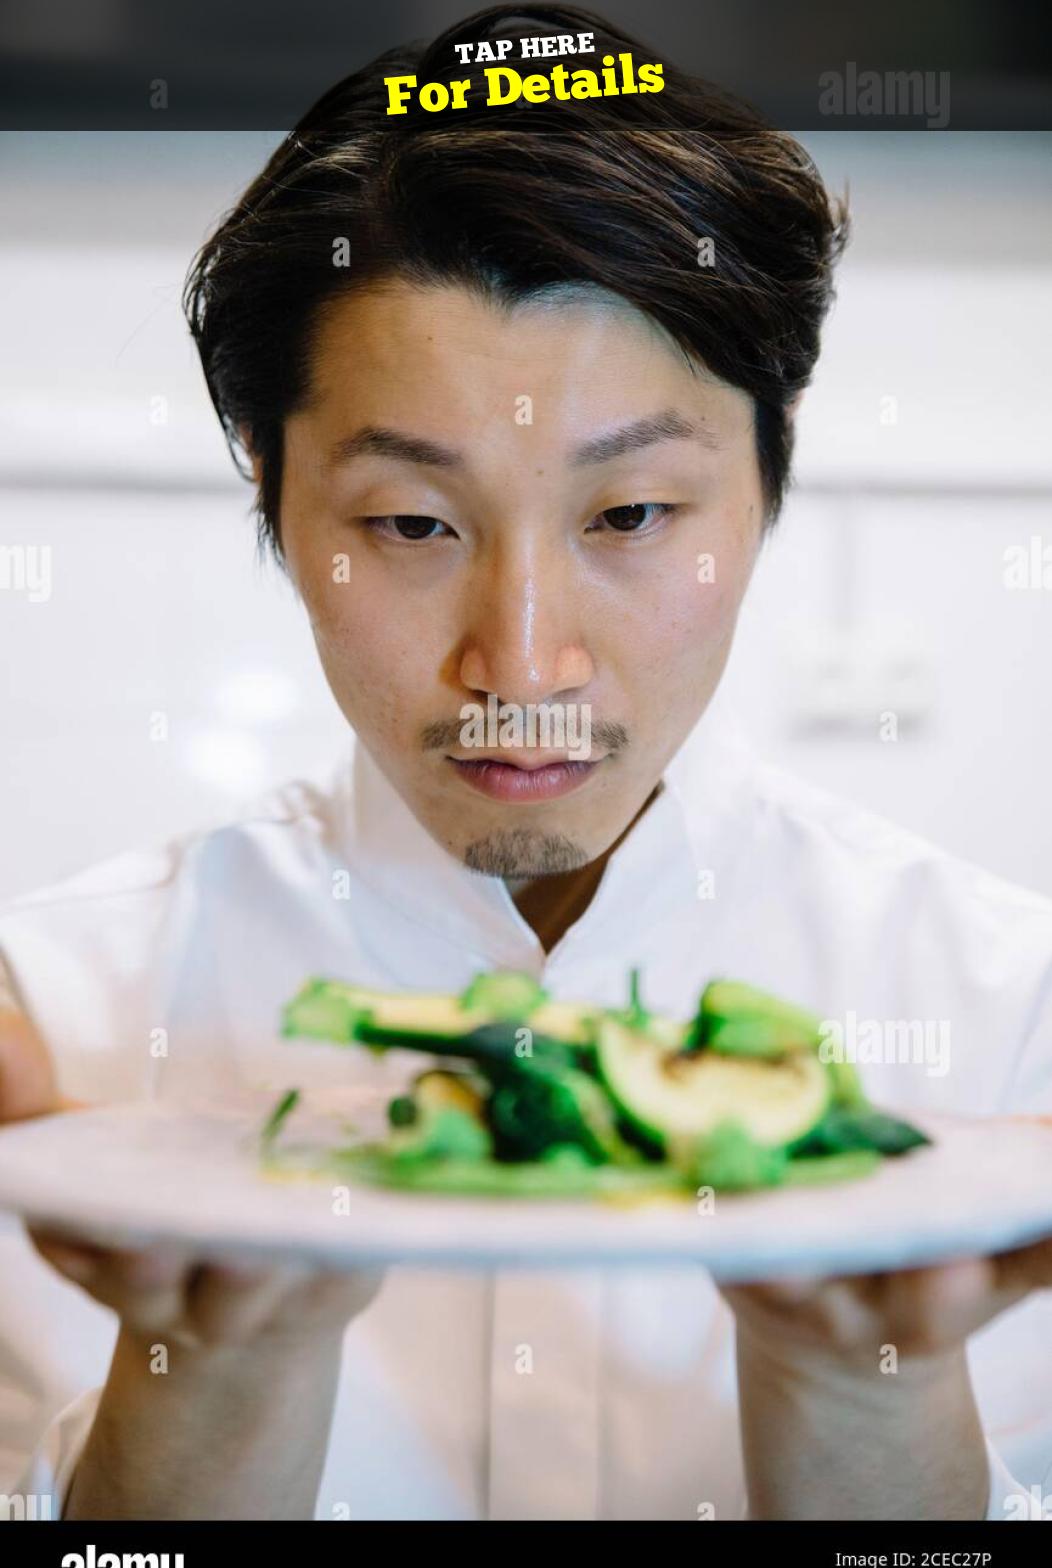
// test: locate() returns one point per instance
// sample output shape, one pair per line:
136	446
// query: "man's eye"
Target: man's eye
635	519
411	530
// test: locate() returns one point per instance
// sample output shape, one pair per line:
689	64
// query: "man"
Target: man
513	442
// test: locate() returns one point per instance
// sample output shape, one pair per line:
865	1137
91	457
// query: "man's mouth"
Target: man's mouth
526	778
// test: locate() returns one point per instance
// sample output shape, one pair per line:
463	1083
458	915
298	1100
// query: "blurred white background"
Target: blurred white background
169	676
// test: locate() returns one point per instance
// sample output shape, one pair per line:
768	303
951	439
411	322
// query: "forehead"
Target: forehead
445	356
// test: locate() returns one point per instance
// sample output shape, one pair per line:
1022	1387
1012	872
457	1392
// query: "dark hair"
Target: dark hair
615	191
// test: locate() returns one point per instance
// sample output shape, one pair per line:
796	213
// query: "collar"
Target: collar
693	823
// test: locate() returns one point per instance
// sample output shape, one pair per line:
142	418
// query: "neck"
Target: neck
552	904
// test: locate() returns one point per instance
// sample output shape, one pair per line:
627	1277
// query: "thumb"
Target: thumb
27	1077
1025	1268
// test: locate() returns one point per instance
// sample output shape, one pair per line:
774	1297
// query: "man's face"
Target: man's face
547	505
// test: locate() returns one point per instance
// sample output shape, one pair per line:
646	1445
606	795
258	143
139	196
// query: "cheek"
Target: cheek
691	616
690	642
378	662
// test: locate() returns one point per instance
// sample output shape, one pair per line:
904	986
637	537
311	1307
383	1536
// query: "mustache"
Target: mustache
609	735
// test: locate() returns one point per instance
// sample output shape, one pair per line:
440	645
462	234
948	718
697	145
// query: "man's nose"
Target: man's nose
524	640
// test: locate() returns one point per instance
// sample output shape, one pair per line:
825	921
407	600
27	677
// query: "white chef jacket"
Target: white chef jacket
626	1406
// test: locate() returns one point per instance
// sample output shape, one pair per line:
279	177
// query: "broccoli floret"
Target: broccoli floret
729	1160
533	1109
529	1111
441	1119
444	1135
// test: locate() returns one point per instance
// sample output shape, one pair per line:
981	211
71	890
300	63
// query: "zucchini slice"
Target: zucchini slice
414	1018
503	993
330	1010
327	1010
572	1022
741	1021
675	1097
342	1013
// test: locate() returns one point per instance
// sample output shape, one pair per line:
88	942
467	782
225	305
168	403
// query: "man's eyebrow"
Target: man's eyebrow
381	442
666	426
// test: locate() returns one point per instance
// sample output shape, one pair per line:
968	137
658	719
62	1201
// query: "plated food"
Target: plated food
526	1096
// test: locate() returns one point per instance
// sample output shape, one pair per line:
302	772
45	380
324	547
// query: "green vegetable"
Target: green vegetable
486	1029
636	1016
742	1021
495	1047
503	993
847	1085
562	1175
325	1010
674	1097
845	1128
738	1020
757	1037
402	1111
275	1121
532	1110
574	1023
729	1160
445	1135
546	1098
831	1167
329	1010
442	1119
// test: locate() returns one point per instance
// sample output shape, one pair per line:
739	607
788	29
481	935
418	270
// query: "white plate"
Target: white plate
130	1174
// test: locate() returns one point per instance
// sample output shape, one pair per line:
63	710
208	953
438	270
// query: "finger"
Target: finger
775	1295
76	1260
331	1299
230	1303
27	1079
1025	1268
145	1287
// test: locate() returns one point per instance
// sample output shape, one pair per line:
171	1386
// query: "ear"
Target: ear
794	403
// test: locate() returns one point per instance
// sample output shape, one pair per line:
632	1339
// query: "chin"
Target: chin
525	852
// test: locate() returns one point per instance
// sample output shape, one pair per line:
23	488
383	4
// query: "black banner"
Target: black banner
193	65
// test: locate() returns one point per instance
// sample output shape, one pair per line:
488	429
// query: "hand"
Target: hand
27	1078
226	1432
854	1392
921	1311
164	1290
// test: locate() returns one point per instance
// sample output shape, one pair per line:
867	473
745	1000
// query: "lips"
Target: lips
510	781
526	761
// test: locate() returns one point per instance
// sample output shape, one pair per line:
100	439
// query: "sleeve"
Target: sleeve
1009	1499
49	1474
35	1371
1028	1093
